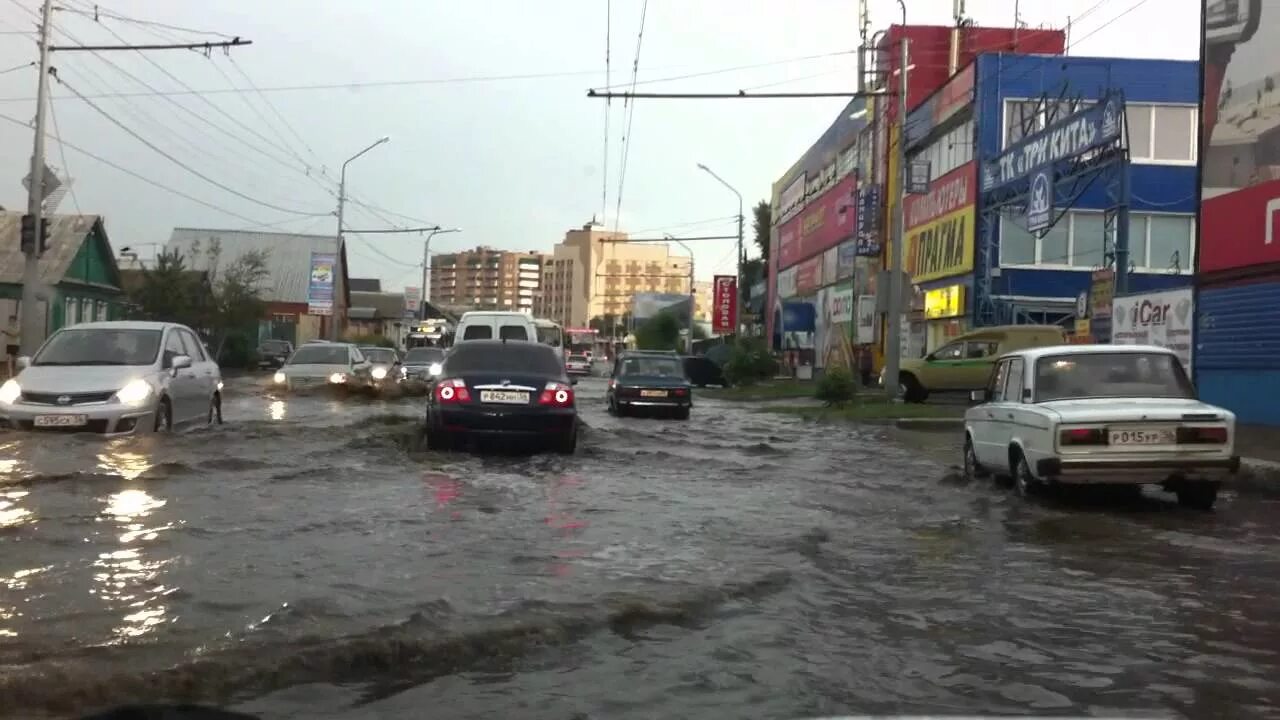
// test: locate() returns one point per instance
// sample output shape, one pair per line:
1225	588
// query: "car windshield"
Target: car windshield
512	358
1080	376
379	355
424	356
321	355
652	367
100	346
578	358
550	336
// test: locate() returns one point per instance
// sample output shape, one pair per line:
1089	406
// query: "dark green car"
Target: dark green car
650	382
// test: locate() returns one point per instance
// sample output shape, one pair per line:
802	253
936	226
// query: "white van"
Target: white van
486	325
549	333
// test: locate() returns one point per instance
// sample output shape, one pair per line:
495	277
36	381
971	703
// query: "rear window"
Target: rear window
477	332
513	332
522	357
275	345
653	367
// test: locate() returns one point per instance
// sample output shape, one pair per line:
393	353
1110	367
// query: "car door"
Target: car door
986	437
1005	414
182	383
939	368
205	370
360	366
978	358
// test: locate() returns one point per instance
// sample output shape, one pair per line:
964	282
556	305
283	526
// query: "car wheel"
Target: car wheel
619	409
1026	484
1198	495
567	444
911	389
972	468
164	416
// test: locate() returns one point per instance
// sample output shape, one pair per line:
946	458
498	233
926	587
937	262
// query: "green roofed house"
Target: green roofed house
79	279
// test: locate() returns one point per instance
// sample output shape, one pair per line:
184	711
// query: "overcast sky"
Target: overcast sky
513	162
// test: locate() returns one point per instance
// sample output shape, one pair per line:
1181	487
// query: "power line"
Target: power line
17	67
62	152
100	12
629	110
181	164
736	68
141	177
289	126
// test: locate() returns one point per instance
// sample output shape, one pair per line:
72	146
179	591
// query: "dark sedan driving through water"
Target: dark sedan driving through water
510	390
650	381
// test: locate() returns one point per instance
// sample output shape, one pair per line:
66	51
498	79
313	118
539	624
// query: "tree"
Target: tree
763	225
170	292
237	304
661	332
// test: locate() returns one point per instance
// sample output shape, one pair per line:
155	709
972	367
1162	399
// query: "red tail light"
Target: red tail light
1082	436
1202	435
557	395
680	392
451	391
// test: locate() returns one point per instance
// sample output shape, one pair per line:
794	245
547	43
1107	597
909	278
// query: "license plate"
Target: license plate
61	420
1142	436
506	397
653	393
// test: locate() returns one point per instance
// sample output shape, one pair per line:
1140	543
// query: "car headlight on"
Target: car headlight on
279	378
379	373
435	369
337	378
135	392
10	392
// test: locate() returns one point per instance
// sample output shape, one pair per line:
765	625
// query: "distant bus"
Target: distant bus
581	341
549	333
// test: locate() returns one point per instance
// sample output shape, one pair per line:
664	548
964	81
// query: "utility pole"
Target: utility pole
688	345
893	336
426	265
32	325
741	255
337	243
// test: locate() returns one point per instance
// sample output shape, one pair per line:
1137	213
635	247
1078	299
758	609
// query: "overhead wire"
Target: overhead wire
100	12
628	111
17	67
66	168
723	71
288	125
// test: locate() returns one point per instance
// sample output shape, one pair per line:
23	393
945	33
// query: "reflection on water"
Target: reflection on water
124	463
126	579
276	410
12	514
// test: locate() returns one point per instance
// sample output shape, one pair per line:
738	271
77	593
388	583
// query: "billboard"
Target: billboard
1158	318
940	227
868	222
809	275
846	260
412	299
646	305
320	286
824	222
724	319
1240	136
1076	134
834	329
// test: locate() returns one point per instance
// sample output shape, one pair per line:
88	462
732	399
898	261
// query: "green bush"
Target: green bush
836	387
749	362
662	332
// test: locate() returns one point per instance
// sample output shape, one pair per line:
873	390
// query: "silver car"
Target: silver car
423	364
114	378
325	365
384	364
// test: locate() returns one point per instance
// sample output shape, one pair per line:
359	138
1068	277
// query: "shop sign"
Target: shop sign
846	259
949	193
1241	228
787	283
941	248
864	332
868	225
320	287
1074	135
808	275
1040	201
918	176
840	305
1158	318
1082	327
830	264
822	224
944	302
725	290
791	200
1102	290
412	296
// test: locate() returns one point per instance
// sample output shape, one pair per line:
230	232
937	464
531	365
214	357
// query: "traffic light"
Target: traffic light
28	234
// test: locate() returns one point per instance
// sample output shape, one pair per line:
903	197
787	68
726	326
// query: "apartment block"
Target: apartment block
487	279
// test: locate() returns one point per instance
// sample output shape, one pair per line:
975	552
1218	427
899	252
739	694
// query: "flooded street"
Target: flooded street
310	559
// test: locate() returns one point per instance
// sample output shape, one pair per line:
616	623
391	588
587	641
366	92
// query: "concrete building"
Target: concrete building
702	299
487	279
594	273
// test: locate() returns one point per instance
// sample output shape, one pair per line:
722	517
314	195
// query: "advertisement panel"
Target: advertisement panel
868	223
320	287
1102	290
830	264
820	225
412	299
834	337
865	329
846	259
808	275
1076	134
648	304
946	302
1240	168
941	248
947	194
787	283
724	319
1158	318
791	200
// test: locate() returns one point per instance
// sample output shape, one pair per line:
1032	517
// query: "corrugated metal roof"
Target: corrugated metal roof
383	305
366	285
66	235
288	256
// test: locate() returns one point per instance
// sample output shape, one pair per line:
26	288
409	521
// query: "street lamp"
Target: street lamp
337	249
426	265
893	334
692	299
741	256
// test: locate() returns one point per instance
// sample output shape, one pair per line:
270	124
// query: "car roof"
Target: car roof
1093	349
493	313
124	325
651	353
498	345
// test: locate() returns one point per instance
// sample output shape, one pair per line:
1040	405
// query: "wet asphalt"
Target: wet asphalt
309	558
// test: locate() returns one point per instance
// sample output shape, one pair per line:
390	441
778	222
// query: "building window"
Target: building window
950	151
1158	243
70	309
1156	134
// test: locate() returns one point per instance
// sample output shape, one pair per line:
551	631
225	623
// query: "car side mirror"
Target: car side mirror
23	362
979	396
179	362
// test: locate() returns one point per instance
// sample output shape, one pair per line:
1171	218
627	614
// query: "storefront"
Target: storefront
940	251
944	315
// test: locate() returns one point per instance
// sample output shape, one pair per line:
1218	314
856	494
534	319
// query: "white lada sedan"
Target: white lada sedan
1089	414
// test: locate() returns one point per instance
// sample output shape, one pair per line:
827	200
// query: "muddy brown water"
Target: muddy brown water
310	559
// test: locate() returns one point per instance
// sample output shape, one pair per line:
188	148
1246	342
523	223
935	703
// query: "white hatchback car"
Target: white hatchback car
1099	414
114	378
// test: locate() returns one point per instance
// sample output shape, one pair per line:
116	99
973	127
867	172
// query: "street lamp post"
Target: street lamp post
893	336
337	245
742	258
692	296
426	266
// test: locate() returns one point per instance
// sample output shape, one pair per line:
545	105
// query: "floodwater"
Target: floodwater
310	559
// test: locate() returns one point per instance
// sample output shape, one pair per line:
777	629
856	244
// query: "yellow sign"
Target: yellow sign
944	302
1082	326
941	248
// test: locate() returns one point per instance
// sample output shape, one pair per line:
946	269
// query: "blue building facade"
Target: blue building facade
1037	279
